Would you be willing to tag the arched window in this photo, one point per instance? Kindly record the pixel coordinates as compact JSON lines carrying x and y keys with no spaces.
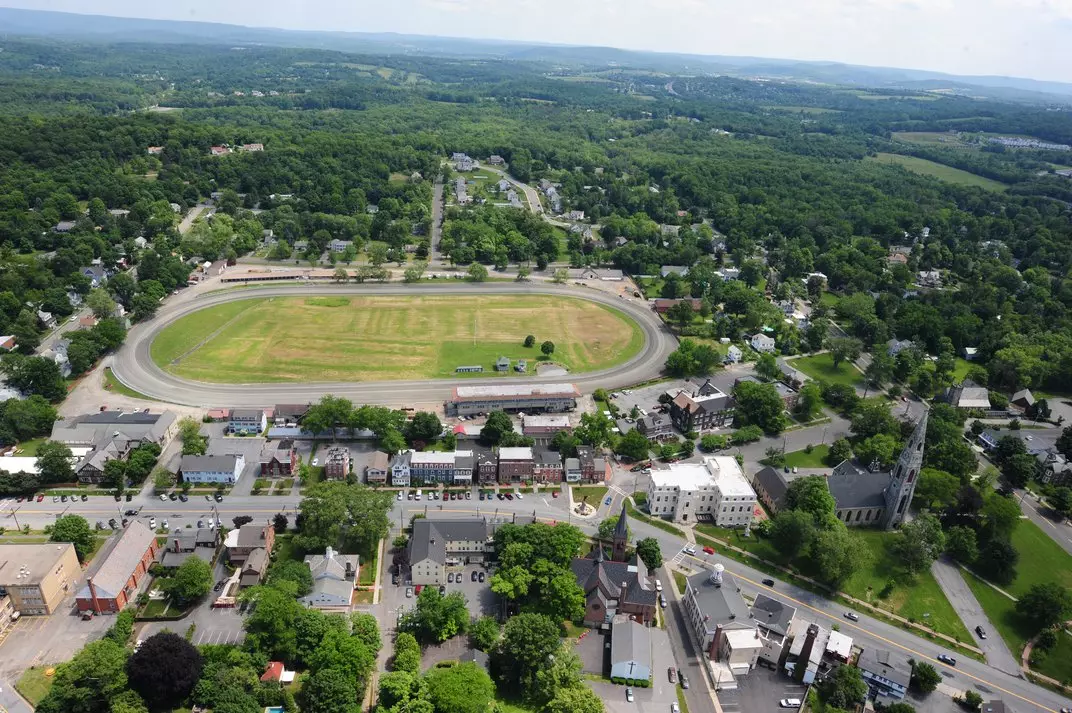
{"x":911,"y":475}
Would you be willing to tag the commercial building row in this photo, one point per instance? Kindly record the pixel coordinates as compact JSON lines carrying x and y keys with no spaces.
{"x":488,"y":466}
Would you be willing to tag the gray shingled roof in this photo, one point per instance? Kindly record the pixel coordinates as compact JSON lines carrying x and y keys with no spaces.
{"x":772,"y":614}
{"x":110,"y":579}
{"x":630,"y":641}
{"x":882,"y":662}
{"x":609,"y":576}
{"x":853,"y":486}
{"x":771,"y":480}
{"x":429,"y":536}
{"x":723,"y":604}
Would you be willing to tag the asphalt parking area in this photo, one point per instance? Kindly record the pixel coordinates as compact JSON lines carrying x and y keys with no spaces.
{"x":482,"y":601}
{"x":759,"y":692}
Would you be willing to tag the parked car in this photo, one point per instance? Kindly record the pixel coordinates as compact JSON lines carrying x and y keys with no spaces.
{"x":200,"y":524}
{"x":608,"y":500}
{"x":628,"y":693}
{"x":399,"y":495}
{"x":768,"y":582}
{"x":689,"y":549}
{"x":63,"y":498}
{"x":481,"y":577}
{"x":173,"y":497}
{"x":152,"y":523}
{"x":500,"y":496}
{"x":789,"y":703}
{"x":208,"y":498}
{"x":981,"y":632}
{"x":852,"y":616}
{"x":164,"y":525}
{"x":468,"y":495}
{"x":662,"y":601}
{"x":84,"y":498}
{"x":946,"y":659}
{"x":183,"y":497}
{"x":409,"y":592}
{"x":472,"y":577}
{"x":674,"y":708}
{"x":683,"y":679}
{"x":316,"y":461}
{"x":218,"y":586}
{"x":112,"y":523}
{"x":219,"y":498}
{"x":163,"y":497}
{"x":671,"y":674}
{"x":709,"y":550}
{"x":131,"y":511}
{"x":519,"y":496}
{"x":554,"y":493}
{"x":40,"y":498}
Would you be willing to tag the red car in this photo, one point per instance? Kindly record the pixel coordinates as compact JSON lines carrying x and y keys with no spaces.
{"x":709,"y":550}
{"x":418,"y":588}
{"x":40,"y":498}
{"x":554,"y":493}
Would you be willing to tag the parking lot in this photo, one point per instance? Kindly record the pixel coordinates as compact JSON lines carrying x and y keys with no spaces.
{"x":759,"y":692}
{"x":214,"y":626}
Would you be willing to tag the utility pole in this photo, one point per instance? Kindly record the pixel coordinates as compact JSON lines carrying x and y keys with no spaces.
{"x":13,"y":511}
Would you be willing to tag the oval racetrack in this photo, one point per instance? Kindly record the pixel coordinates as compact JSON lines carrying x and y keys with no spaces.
{"x":134,"y":367}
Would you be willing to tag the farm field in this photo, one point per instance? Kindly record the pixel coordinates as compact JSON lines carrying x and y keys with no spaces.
{"x":937,"y":170}
{"x":374,"y":338}
{"x":941,"y":138}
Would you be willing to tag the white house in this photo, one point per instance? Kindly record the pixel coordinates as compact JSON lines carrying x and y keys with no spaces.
{"x":400,"y":470}
{"x":762,"y":343}
{"x":212,"y":469}
{"x":733,"y":354}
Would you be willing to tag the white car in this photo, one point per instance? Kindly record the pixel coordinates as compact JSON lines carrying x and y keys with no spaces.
{"x":629,"y":695}
{"x":689,"y":549}
{"x":399,"y":495}
{"x":316,"y":461}
{"x":789,"y":703}
{"x":658,"y":585}
{"x":164,"y":525}
{"x":163,"y":496}
{"x":137,"y":645}
{"x":152,"y":523}
{"x":519,"y":496}
{"x":674,"y":708}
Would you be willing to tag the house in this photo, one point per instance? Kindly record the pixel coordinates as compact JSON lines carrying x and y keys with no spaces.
{"x":242,"y":541}
{"x":896,"y":346}
{"x":275,"y":672}
{"x":334,"y":580}
{"x":97,"y":274}
{"x":1053,"y":468}
{"x":592,"y":273}
{"x":252,"y":147}
{"x":58,"y":354}
{"x":762,"y":343}
{"x":970,"y":353}
{"x":887,"y":673}
{"x":630,"y":650}
{"x":805,"y":655}
{"x":219,"y":150}
{"x":573,"y":470}
{"x":105,"y":435}
{"x":655,"y":426}
{"x":968,"y":395}
{"x":733,"y":354}
{"x":1022,"y":399}
{"x":7,"y":342}
{"x":729,"y":273}
{"x":929,"y":278}
{"x":116,"y":580}
{"x":289,"y":414}
{"x":439,"y":545}
{"x":515,"y":464}
{"x":714,"y":490}
{"x":400,"y":470}
{"x":465,"y":164}
{"x":774,"y":620}
{"x":212,"y":469}
{"x":485,"y":465}
{"x":254,"y":567}
{"x":662,"y":305}
{"x":38,"y":577}
{"x":279,"y":459}
{"x":460,"y":193}
{"x":721,"y":622}
{"x":64,"y":226}
{"x":337,"y":463}
{"x":46,"y":319}
{"x":431,"y":467}
{"x":771,"y":485}
{"x":575,"y":215}
{"x":502,"y":364}
{"x":181,"y":545}
{"x":155,"y":150}
{"x":246,"y":422}
{"x":897,"y":259}
{"x":532,"y":398}
{"x":679,"y":270}
{"x":496,"y":160}
{"x":338,"y":246}
{"x":544,"y":425}
{"x":377,"y":468}
{"x":547,"y":466}
{"x":705,"y":409}
{"x":790,"y":376}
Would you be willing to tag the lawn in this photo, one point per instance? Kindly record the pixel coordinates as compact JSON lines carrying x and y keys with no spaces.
{"x":1041,"y":560}
{"x":29,"y":448}
{"x":1057,"y":662}
{"x":34,"y":684}
{"x":821,"y":366}
{"x":910,"y":598}
{"x":594,"y":493}
{"x":366,"y":571}
{"x":938,"y":170}
{"x":941,"y":138}
{"x":1001,"y":611}
{"x":680,"y":580}
{"x":758,"y":546}
{"x":295,"y":339}
{"x":803,"y":459}
{"x":113,"y":385}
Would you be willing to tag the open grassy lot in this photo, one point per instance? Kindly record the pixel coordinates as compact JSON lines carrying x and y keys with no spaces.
{"x":594,"y":493}
{"x":1057,"y":662}
{"x":1001,"y":611}
{"x":376,"y":338}
{"x":1041,"y":560}
{"x":34,"y":684}
{"x":937,"y":170}
{"x":803,"y":459}
{"x":910,"y":598}
{"x":942,"y":138}
{"x":821,"y":366}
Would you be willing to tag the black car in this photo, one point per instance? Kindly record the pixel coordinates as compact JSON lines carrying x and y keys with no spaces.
{"x":481,"y":577}
{"x":219,"y":498}
{"x":183,"y":498}
{"x":473,"y":577}
{"x":131,"y":512}
{"x":946,"y":659}
{"x":981,"y":632}
{"x":112,"y":523}
{"x":219,"y":586}
{"x":85,"y":498}
{"x":173,"y":496}
{"x":768,"y":582}
{"x":117,"y":498}
{"x":683,"y":679}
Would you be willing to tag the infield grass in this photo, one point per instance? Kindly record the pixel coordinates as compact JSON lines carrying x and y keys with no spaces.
{"x":375,"y":338}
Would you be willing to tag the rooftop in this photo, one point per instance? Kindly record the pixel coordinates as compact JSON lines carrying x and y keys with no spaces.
{"x":111,"y":577}
{"x":890,"y":665}
{"x":30,"y":561}
{"x":772,"y":614}
{"x":515,"y":453}
{"x":721,"y":604}
{"x":552,"y":390}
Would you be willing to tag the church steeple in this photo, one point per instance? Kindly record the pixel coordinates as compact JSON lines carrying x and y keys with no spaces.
{"x":621,"y":537}
{"x":903,"y":480}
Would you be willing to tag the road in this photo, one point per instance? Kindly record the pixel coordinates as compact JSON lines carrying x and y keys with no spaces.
{"x":531,"y":195}
{"x":435,"y":257}
{"x":191,"y":215}
{"x":134,"y":367}
{"x":1022,"y":695}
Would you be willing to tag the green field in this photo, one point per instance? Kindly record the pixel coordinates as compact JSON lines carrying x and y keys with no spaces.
{"x":938,"y":170}
{"x":34,"y":684}
{"x":803,"y":459}
{"x":358,"y":338}
{"x":821,"y":366}
{"x":940,"y":138}
{"x":910,"y":597}
{"x":807,"y":109}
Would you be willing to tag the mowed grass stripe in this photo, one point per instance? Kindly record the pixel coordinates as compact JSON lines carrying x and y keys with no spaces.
{"x":372,"y":338}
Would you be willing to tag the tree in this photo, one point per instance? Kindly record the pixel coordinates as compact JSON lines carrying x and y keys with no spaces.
{"x":844,"y":689}
{"x":921,"y":542}
{"x":396,"y":687}
{"x":329,"y":691}
{"x":649,"y":552}
{"x":881,"y":448}
{"x":287,"y":570}
{"x":997,"y":560}
{"x":392,"y":441}
{"x":54,"y":463}
{"x":836,"y":555}
{"x":1060,"y":500}
{"x":792,"y":532}
{"x":844,"y":349}
{"x":484,"y":633}
{"x":476,"y":273}
{"x":128,"y":702}
{"x":424,"y":427}
{"x":562,"y":671}
{"x":961,"y":544}
{"x":767,"y":367}
{"x":547,"y":348}
{"x":407,"y":653}
{"x":560,"y":275}
{"x":530,"y":340}
{"x":759,"y":405}
{"x":240,"y":520}
{"x":462,"y":688}
{"x":633,"y":446}
{"x":101,"y":303}
{"x":880,"y":369}
{"x":87,"y":683}
{"x":810,"y":401}
{"x":1045,"y":605}
{"x":840,"y":450}
{"x":495,"y":427}
{"x":122,"y":628}
{"x":350,"y":518}
{"x":811,"y":494}
{"x":34,"y":376}
{"x":925,"y":678}
{"x":165,"y":669}
{"x":692,"y":359}
{"x":272,"y":627}
{"x":74,"y":529}
{"x":579,"y":699}
{"x":873,"y":417}
{"x":528,"y":640}
{"x":436,"y":617}
{"x":935,"y":489}
{"x":192,"y":580}
{"x":1018,"y":470}
{"x":971,"y":700}
{"x":280,"y":522}
{"x":1001,"y":515}
{"x":681,"y":313}
{"x":414,"y":272}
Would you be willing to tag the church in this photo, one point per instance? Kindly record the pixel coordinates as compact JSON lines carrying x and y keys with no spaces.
{"x":866,"y":495}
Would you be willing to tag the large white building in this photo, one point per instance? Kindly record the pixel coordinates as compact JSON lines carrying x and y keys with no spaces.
{"x":715,"y":489}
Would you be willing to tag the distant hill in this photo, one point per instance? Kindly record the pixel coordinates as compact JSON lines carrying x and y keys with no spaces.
{"x":101,"y":28}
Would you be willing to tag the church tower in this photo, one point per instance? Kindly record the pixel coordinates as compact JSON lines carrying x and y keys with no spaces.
{"x":903,"y":479}
{"x":621,"y":538}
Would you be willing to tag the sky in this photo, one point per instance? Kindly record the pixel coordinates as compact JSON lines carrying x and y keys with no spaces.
{"x":1021,"y":38}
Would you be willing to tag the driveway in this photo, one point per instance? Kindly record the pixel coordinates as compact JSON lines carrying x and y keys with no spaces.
{"x":760,"y":691}
{"x":956,"y":590}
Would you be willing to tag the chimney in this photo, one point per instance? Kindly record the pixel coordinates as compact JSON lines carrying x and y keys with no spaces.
{"x":329,"y":553}
{"x":349,"y":570}
{"x":176,"y":544}
{"x":93,"y":596}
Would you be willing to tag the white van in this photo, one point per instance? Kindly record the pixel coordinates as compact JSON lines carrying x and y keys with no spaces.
{"x":418,"y":496}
